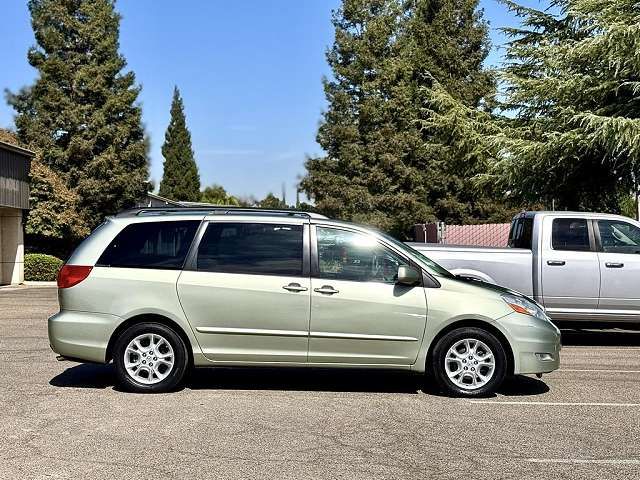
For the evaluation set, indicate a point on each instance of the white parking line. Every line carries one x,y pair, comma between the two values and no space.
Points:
555,404
595,370
611,461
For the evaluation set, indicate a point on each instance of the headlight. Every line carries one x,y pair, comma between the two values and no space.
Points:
524,306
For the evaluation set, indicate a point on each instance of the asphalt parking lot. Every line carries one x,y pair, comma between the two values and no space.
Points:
66,420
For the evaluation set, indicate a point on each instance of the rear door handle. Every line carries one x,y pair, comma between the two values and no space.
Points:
614,265
556,263
328,289
295,287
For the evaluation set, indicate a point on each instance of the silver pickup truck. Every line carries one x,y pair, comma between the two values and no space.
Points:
579,266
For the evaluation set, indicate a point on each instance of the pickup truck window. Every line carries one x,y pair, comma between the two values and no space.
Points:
570,234
619,237
521,233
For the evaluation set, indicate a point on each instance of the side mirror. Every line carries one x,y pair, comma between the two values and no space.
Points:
408,275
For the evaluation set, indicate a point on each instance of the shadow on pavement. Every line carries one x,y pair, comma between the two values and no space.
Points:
292,379
577,335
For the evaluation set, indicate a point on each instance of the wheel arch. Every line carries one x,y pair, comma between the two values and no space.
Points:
477,324
149,317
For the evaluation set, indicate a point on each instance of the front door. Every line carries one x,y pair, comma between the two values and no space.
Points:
620,269
570,270
359,314
246,291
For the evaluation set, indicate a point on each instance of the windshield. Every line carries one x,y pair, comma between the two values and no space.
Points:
433,266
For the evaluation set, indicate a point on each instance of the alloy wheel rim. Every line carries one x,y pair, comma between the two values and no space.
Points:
149,358
469,364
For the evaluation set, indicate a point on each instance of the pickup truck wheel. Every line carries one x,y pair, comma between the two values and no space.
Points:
150,358
469,362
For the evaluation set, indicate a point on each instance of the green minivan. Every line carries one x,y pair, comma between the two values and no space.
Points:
161,290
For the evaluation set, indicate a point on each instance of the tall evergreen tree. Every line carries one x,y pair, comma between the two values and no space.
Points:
573,77
386,164
180,178
81,113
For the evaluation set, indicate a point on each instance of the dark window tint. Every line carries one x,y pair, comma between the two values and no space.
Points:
252,248
619,237
570,234
344,255
150,245
521,233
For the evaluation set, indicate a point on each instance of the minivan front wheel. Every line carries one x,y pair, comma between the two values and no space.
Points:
150,358
469,362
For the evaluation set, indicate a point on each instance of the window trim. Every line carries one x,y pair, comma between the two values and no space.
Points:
191,264
592,240
315,260
152,267
596,229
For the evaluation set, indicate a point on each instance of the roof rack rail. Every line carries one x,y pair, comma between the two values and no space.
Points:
200,209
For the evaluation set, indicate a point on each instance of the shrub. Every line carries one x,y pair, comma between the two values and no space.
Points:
41,267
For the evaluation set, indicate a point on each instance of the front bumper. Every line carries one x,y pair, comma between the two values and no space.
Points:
535,343
81,335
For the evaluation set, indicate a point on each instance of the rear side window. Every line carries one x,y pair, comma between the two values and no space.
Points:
570,234
150,245
251,248
521,233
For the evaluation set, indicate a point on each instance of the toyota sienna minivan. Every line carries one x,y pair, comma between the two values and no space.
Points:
160,291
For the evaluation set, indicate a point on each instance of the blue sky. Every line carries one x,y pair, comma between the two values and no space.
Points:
249,72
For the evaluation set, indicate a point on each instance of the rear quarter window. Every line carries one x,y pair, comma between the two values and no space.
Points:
161,245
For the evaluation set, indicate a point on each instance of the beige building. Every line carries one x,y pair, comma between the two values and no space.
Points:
15,163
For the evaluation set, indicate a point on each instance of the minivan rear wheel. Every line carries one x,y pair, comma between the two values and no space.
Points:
150,358
469,362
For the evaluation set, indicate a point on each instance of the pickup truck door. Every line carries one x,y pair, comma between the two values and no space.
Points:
619,256
569,267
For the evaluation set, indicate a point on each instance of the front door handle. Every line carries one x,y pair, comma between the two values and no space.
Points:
328,289
295,287
556,263
614,265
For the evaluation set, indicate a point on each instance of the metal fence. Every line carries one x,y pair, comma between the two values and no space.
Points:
486,235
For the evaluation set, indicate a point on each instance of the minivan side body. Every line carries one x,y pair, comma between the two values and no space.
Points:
299,290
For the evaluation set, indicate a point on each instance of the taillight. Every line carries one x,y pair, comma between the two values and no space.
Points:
70,275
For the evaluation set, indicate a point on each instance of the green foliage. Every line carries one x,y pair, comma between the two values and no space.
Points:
180,178
628,206
54,212
40,267
272,202
388,163
81,114
217,195
573,85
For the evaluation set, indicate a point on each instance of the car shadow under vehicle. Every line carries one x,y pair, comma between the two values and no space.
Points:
580,334
292,379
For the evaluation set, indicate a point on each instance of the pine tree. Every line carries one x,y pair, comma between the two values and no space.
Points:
180,178
81,112
386,162
573,84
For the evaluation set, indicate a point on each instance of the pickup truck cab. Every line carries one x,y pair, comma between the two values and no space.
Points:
579,266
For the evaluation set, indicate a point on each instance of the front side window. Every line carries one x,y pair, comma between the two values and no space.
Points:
619,237
570,234
252,248
344,255
150,245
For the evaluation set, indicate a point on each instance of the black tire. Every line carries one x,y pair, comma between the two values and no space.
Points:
449,340
175,375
